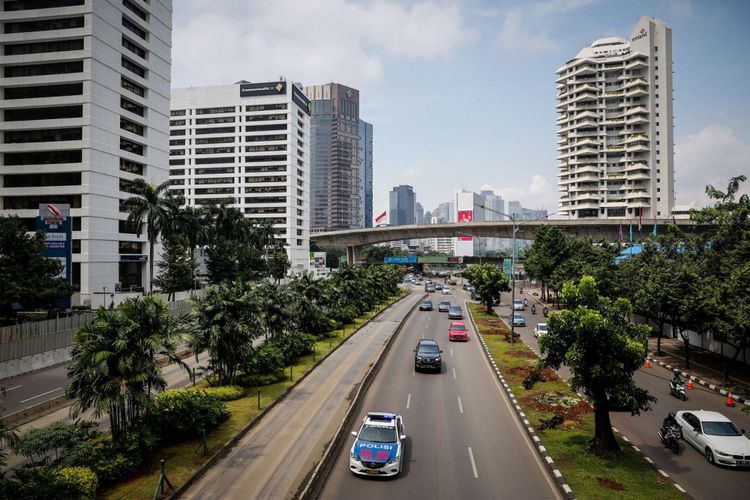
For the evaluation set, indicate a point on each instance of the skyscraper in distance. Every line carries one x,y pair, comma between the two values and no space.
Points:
366,172
615,126
85,113
401,206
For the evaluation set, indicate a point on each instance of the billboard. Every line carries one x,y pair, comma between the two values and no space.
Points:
301,100
55,222
465,216
438,259
317,261
412,259
256,89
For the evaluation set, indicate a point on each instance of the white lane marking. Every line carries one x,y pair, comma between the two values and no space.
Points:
413,372
426,327
408,401
13,388
460,406
43,394
473,464
451,352
423,335
454,373
680,488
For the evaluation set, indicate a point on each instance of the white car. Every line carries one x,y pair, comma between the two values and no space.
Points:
518,305
540,329
379,446
446,290
714,435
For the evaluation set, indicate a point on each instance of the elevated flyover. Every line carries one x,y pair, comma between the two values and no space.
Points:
606,229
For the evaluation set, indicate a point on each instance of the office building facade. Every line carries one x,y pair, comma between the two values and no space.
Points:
366,172
615,127
337,190
85,101
466,209
402,206
249,144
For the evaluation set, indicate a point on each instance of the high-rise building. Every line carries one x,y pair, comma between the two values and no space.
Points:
85,111
615,126
495,204
337,190
366,162
418,213
401,206
442,214
514,208
427,217
248,143
467,209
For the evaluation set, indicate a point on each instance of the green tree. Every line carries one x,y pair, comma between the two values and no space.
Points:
376,254
176,267
26,276
226,325
549,250
152,204
309,305
603,350
194,224
113,368
488,281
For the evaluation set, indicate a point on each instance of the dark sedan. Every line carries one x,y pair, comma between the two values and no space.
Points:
425,305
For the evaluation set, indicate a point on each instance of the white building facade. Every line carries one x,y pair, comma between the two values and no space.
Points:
249,144
615,127
466,209
85,101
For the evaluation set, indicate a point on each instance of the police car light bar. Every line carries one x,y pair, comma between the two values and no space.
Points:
380,416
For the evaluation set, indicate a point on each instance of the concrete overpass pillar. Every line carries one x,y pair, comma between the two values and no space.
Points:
353,255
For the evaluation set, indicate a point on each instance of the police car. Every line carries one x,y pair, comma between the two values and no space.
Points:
379,446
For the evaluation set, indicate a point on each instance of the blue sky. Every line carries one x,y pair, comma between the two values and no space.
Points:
462,94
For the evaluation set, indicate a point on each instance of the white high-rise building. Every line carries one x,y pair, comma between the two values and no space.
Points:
466,209
85,106
616,127
248,143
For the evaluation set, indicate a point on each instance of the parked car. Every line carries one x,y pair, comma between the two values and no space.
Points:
427,355
518,305
444,306
457,331
425,305
714,435
540,329
455,312
517,319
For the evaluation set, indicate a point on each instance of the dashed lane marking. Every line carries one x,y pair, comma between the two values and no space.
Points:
460,406
473,464
408,401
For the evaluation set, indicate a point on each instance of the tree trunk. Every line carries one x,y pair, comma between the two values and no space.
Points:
151,265
604,437
659,334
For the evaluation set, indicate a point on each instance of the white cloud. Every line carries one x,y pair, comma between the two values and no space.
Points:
313,41
538,194
523,27
711,156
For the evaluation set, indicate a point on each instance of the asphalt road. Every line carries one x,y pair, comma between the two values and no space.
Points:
464,441
689,469
272,460
29,389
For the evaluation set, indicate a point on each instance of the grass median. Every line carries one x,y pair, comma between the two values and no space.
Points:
625,474
185,457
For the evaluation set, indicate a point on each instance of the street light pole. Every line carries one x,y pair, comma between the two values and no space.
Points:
513,283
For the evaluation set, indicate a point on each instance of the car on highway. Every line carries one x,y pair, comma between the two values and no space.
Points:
438,286
518,305
540,329
455,312
427,355
429,288
714,435
444,306
517,319
457,331
379,446
425,305
447,291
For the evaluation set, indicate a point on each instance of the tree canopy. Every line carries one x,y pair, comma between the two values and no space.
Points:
488,281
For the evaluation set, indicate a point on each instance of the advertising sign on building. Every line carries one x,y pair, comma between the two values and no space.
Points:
317,261
465,216
401,260
54,221
258,89
301,100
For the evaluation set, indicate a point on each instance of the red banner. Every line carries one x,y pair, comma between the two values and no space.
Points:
377,219
465,216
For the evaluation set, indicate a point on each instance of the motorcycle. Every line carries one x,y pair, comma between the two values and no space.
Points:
677,390
545,311
670,437
533,309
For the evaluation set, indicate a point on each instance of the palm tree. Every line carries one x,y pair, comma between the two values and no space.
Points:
7,435
114,369
194,223
151,203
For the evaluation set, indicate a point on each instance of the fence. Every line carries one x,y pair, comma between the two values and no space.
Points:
28,339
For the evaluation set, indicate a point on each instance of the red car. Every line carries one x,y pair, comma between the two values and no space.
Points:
457,331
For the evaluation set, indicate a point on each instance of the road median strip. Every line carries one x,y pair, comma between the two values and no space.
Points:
576,471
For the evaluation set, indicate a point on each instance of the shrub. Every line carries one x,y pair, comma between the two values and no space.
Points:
58,439
42,483
81,479
187,411
255,380
224,392
293,346
267,359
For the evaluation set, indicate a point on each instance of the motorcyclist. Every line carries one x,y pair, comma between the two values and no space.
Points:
668,422
545,311
533,308
525,302
676,379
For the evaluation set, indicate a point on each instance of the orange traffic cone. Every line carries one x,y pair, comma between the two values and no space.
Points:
690,384
730,400
648,364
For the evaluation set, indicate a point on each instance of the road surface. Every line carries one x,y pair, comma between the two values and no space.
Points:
464,440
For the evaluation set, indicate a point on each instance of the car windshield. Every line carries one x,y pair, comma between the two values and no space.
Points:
426,303
455,308
445,303
378,434
720,429
542,328
518,302
428,349
458,328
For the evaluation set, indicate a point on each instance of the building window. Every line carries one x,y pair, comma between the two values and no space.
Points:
135,49
131,127
140,32
215,120
177,132
214,140
208,161
214,180
177,142
265,199
131,166
132,87
132,147
299,243
255,159
214,171
14,5
42,180
214,151
29,92
263,118
215,190
133,67
179,161
52,113
177,152
214,111
45,135
132,107
177,123
130,247
44,25
266,168
264,128
214,130
135,9
43,47
177,112
43,69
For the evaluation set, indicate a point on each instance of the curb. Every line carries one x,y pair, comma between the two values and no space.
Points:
226,447
697,380
322,471
559,479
